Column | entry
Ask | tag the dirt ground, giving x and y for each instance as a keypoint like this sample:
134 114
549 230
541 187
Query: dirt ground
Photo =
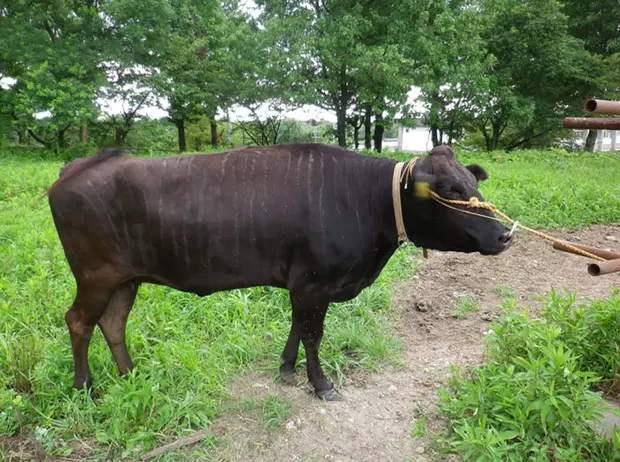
374 421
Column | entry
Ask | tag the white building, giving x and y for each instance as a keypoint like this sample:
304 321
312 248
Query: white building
606 140
417 140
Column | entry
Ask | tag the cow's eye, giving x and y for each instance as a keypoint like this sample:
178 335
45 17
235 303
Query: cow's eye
451 191
457 191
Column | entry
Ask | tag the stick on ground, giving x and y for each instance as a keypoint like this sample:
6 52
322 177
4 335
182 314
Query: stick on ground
183 441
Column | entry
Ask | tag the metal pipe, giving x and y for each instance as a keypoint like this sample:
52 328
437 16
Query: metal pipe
595 123
604 267
606 254
601 106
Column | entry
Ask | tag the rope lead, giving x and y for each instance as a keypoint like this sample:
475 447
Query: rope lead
474 202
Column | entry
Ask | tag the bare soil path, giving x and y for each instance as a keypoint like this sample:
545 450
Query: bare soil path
438 328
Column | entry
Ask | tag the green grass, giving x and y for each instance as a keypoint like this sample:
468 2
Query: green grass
552 189
187 349
418 427
275 411
465 305
504 292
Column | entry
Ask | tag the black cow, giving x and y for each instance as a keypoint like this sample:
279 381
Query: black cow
316 220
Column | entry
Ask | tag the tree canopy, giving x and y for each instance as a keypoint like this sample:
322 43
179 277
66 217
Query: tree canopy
500 73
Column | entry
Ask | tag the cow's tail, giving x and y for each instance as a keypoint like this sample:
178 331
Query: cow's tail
74 168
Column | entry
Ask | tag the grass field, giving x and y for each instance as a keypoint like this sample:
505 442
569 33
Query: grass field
186 348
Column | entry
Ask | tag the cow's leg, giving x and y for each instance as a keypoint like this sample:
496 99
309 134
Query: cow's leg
288 372
87 308
114 322
310 317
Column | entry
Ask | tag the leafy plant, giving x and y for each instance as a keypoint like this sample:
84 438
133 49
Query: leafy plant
533 399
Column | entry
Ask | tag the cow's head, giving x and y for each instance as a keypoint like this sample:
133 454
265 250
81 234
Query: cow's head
432 225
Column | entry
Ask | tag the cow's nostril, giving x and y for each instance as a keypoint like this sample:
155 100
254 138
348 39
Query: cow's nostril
505 238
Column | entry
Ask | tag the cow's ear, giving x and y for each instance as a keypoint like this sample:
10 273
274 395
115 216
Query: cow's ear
478 172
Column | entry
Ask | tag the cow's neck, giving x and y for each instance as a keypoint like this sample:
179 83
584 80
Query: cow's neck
383 204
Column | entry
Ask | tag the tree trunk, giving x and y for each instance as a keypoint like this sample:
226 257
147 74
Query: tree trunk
341 127
356 136
84 133
181 135
118 137
213 124
367 129
496 135
60 139
435 135
487 139
590 140
450 132
379 129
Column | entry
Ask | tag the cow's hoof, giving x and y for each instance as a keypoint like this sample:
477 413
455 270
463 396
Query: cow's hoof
329 395
289 377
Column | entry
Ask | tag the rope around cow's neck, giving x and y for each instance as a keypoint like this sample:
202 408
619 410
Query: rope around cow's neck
423 190
399 174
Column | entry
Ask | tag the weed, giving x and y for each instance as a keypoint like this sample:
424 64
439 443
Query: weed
275 411
418 427
19 355
465 305
533 398
504 292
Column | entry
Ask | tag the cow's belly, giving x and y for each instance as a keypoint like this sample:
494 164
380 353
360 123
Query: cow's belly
216 266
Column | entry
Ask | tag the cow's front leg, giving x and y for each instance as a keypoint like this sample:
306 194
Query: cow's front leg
310 317
288 373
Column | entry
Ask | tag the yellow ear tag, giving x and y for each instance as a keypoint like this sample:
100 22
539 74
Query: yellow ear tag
421 189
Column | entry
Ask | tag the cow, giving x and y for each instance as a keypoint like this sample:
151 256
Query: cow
316 220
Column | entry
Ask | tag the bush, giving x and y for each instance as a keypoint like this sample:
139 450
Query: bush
533 400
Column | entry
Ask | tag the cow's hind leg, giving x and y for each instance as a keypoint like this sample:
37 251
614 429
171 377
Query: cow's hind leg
310 317
113 324
89 304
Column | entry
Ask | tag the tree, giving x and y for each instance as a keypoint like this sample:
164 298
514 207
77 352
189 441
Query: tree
127 86
262 132
338 55
543 66
388 55
507 69
52 50
135 38
453 64
597 23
